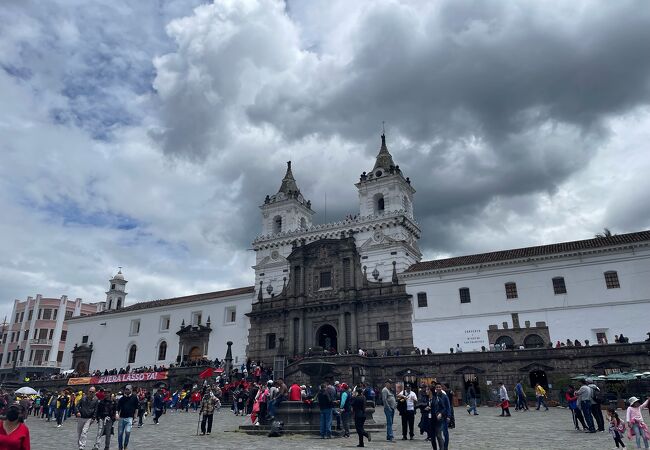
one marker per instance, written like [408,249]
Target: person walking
[325,405]
[520,394]
[105,417]
[390,403]
[142,408]
[635,423]
[504,399]
[572,401]
[86,414]
[346,409]
[208,404]
[14,434]
[584,395]
[408,416]
[158,406]
[616,428]
[61,408]
[126,408]
[359,412]
[540,393]
[471,396]
[438,410]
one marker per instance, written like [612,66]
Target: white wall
[587,307]
[112,341]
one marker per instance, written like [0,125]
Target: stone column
[342,334]
[32,324]
[353,325]
[301,333]
[291,333]
[58,328]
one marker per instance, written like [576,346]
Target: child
[616,428]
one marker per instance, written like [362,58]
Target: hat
[344,386]
[303,387]
[389,381]
[632,400]
[129,387]
[269,382]
[337,382]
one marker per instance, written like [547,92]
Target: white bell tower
[384,189]
[116,294]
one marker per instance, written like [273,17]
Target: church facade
[360,283]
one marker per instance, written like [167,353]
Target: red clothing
[294,393]
[17,440]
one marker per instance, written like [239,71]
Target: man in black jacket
[126,408]
[105,418]
[86,413]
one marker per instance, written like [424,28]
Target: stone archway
[195,354]
[538,376]
[326,337]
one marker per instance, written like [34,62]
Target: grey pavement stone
[538,430]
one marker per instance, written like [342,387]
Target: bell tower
[116,294]
[385,189]
[287,210]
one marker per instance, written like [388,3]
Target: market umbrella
[26,390]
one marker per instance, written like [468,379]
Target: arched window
[533,341]
[132,352]
[380,203]
[119,302]
[110,303]
[506,342]
[303,223]
[162,351]
[277,224]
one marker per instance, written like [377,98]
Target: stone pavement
[533,430]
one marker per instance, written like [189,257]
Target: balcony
[40,341]
[36,364]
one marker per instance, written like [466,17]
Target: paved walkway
[538,430]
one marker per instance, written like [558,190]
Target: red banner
[123,378]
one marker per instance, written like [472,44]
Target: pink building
[33,338]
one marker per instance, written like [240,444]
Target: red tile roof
[180,300]
[528,252]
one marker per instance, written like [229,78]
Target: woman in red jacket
[14,435]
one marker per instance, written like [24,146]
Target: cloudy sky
[145,134]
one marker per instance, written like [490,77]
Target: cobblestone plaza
[539,430]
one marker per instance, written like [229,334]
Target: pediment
[468,369]
[611,364]
[536,366]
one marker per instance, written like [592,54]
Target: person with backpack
[597,399]
[346,409]
[616,428]
[540,393]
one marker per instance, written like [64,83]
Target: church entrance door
[195,354]
[326,337]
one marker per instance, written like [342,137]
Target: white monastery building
[528,297]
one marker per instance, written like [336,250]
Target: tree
[605,234]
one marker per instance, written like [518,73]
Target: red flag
[207,373]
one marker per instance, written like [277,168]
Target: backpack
[597,395]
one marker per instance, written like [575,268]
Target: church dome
[118,276]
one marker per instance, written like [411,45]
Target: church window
[162,351]
[110,303]
[611,280]
[303,223]
[270,341]
[325,280]
[511,290]
[277,224]
[422,300]
[164,323]
[231,314]
[347,273]
[135,327]
[464,295]
[132,352]
[559,287]
[119,302]
[383,331]
[112,286]
[505,342]
[196,318]
[84,339]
